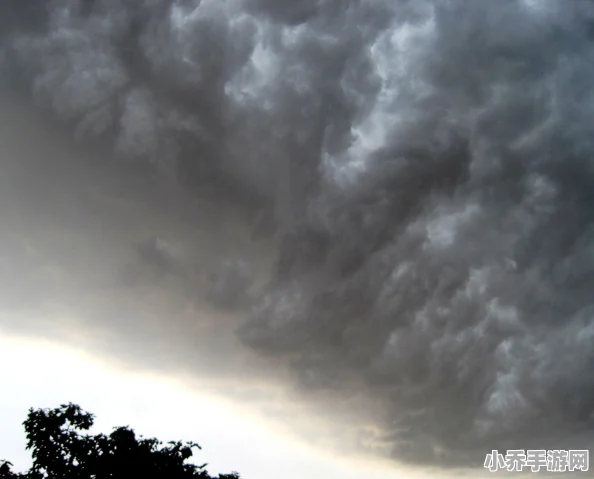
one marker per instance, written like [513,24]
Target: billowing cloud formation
[429,166]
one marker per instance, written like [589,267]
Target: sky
[46,374]
[368,220]
[64,338]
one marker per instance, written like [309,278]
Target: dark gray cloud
[428,165]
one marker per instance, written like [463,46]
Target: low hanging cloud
[428,167]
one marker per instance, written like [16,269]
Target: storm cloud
[427,168]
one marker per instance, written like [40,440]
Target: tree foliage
[61,450]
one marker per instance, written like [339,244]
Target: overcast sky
[53,349]
[70,333]
[406,185]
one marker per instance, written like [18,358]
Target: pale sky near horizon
[46,374]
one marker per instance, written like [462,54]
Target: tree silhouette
[61,451]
